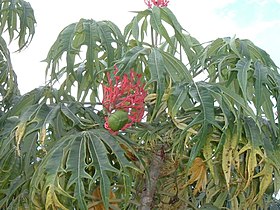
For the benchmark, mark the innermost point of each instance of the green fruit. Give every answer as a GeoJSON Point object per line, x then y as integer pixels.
{"type": "Point", "coordinates": [117, 120]}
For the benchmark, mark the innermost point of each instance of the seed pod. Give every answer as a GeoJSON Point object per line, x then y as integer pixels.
{"type": "Point", "coordinates": [117, 120]}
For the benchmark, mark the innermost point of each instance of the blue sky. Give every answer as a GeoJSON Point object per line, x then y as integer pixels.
{"type": "Point", "coordinates": [260, 19]}
{"type": "Point", "coordinates": [257, 20]}
{"type": "Point", "coordinates": [246, 13]}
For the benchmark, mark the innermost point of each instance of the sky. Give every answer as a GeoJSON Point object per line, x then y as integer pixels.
{"type": "Point", "coordinates": [206, 20]}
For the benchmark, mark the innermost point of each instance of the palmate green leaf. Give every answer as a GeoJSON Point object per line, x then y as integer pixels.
{"type": "Point", "coordinates": [32, 136]}
{"type": "Point", "coordinates": [200, 93]}
{"type": "Point", "coordinates": [34, 128]}
{"type": "Point", "coordinates": [176, 69]}
{"type": "Point", "coordinates": [101, 164]}
{"type": "Point", "coordinates": [133, 27]}
{"type": "Point", "coordinates": [25, 120]}
{"type": "Point", "coordinates": [237, 100]}
{"type": "Point", "coordinates": [157, 25]}
{"type": "Point", "coordinates": [108, 36]}
{"type": "Point", "coordinates": [71, 116]}
{"type": "Point", "coordinates": [251, 51]}
{"type": "Point", "coordinates": [8, 80]}
{"type": "Point", "coordinates": [178, 98]}
{"type": "Point", "coordinates": [231, 41]}
{"type": "Point", "coordinates": [101, 161]}
{"type": "Point", "coordinates": [174, 50]}
{"type": "Point", "coordinates": [46, 177]}
{"type": "Point", "coordinates": [157, 71]}
{"type": "Point", "coordinates": [10, 12]}
{"type": "Point", "coordinates": [160, 19]}
{"type": "Point", "coordinates": [191, 47]}
{"type": "Point", "coordinates": [45, 182]}
{"type": "Point", "coordinates": [25, 148]}
{"type": "Point", "coordinates": [222, 55]}
{"type": "Point", "coordinates": [155, 17]}
{"type": "Point", "coordinates": [62, 44]}
{"type": "Point", "coordinates": [72, 163]}
{"type": "Point", "coordinates": [268, 107]}
{"type": "Point", "coordinates": [36, 96]}
{"type": "Point", "coordinates": [205, 117]}
{"type": "Point", "coordinates": [104, 44]}
{"type": "Point", "coordinates": [168, 16]}
{"type": "Point", "coordinates": [76, 165]}
{"type": "Point", "coordinates": [14, 185]}
{"type": "Point", "coordinates": [11, 178]}
{"type": "Point", "coordinates": [260, 75]}
{"type": "Point", "coordinates": [130, 59]}
{"type": "Point", "coordinates": [242, 68]}
{"type": "Point", "coordinates": [253, 133]}
{"type": "Point", "coordinates": [115, 147]}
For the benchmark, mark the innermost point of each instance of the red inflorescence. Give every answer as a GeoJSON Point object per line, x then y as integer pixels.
{"type": "Point", "coordinates": [157, 3]}
{"type": "Point", "coordinates": [124, 93]}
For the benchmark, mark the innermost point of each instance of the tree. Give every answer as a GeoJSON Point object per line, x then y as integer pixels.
{"type": "Point", "coordinates": [148, 118]}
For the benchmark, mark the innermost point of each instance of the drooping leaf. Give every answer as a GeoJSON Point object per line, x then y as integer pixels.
{"type": "Point", "coordinates": [237, 100]}
{"type": "Point", "coordinates": [8, 79]}
{"type": "Point", "coordinates": [10, 12]}
{"type": "Point", "coordinates": [205, 117]}
{"type": "Point", "coordinates": [261, 78]}
{"type": "Point", "coordinates": [157, 71]}
{"type": "Point", "coordinates": [176, 69]}
{"type": "Point", "coordinates": [157, 25]}
{"type": "Point", "coordinates": [76, 165]}
{"type": "Point", "coordinates": [198, 175]}
{"type": "Point", "coordinates": [84, 156]}
{"type": "Point", "coordinates": [104, 44]}
{"type": "Point", "coordinates": [177, 99]}
{"type": "Point", "coordinates": [130, 58]}
{"type": "Point", "coordinates": [242, 67]}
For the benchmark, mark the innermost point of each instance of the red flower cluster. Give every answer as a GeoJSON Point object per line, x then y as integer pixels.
{"type": "Point", "coordinates": [124, 93]}
{"type": "Point", "coordinates": [157, 3]}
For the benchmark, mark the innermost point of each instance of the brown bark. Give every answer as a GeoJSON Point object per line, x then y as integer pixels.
{"type": "Point", "coordinates": [149, 189]}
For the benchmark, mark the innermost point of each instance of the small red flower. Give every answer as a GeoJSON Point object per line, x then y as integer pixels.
{"type": "Point", "coordinates": [124, 93]}
{"type": "Point", "coordinates": [157, 3]}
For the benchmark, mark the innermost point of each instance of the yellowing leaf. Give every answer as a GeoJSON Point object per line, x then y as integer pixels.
{"type": "Point", "coordinates": [266, 180]}
{"type": "Point", "coordinates": [251, 160]}
{"type": "Point", "coordinates": [52, 200]}
{"type": "Point", "coordinates": [98, 204]}
{"type": "Point", "coordinates": [198, 174]}
{"type": "Point", "coordinates": [129, 153]}
{"type": "Point", "coordinates": [228, 156]}
{"type": "Point", "coordinates": [20, 130]}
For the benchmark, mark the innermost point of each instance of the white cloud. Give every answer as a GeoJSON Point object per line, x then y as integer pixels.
{"type": "Point", "coordinates": [259, 27]}
{"type": "Point", "coordinates": [202, 20]}
{"type": "Point", "coordinates": [260, 2]}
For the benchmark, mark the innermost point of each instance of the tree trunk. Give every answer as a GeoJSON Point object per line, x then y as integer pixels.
{"type": "Point", "coordinates": [149, 189]}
